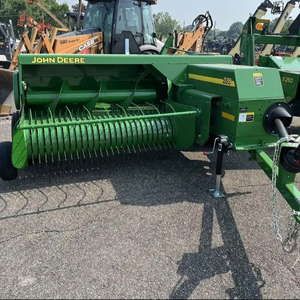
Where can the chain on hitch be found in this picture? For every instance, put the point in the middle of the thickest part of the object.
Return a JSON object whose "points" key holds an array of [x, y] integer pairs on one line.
{"points": [[277, 118], [289, 245]]}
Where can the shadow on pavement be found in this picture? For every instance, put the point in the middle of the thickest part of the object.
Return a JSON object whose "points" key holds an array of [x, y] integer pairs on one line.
{"points": [[209, 262], [148, 182]]}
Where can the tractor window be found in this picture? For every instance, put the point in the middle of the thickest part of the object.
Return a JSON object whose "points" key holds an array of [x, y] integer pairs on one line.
{"points": [[99, 15], [136, 16], [129, 18], [148, 23]]}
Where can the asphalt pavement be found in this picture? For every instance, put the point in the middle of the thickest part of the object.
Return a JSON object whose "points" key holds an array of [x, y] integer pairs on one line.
{"points": [[143, 228]]}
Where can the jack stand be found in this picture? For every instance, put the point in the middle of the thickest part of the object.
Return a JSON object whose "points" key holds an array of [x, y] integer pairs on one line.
{"points": [[222, 148]]}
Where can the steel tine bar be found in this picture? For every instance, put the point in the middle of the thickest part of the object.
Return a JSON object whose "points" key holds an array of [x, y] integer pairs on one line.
{"points": [[107, 112], [154, 107], [138, 107], [122, 108], [88, 112]]}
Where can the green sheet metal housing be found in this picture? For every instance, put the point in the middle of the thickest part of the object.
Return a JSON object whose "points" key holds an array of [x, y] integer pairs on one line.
{"points": [[100, 105], [110, 104]]}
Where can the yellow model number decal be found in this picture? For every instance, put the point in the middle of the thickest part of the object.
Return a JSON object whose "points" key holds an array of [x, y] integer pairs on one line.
{"points": [[58, 60], [226, 81], [287, 79]]}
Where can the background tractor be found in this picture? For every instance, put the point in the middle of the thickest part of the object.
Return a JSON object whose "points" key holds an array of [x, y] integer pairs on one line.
{"points": [[110, 27]]}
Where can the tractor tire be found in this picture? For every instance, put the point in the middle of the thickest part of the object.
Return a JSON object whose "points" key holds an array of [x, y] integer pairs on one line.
{"points": [[150, 52], [7, 170], [14, 120]]}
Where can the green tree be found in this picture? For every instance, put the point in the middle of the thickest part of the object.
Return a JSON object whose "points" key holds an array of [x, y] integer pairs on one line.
{"points": [[188, 28], [285, 29], [235, 30], [165, 24], [12, 9], [75, 7]]}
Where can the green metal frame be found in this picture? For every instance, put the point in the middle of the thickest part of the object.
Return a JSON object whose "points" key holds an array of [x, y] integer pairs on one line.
{"points": [[251, 36], [285, 180]]}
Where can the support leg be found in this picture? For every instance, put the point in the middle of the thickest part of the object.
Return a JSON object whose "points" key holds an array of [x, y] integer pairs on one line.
{"points": [[222, 148]]}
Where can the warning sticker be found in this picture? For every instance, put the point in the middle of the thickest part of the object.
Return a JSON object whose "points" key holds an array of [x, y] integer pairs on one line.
{"points": [[247, 117], [258, 79]]}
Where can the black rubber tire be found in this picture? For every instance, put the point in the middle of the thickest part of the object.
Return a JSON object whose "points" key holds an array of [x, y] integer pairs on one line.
{"points": [[14, 120], [150, 52], [7, 170]]}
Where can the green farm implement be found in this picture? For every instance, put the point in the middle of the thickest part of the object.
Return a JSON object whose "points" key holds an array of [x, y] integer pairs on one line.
{"points": [[256, 32], [81, 107]]}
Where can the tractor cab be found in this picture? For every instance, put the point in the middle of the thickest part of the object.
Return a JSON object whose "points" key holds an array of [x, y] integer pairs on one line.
{"points": [[120, 20]]}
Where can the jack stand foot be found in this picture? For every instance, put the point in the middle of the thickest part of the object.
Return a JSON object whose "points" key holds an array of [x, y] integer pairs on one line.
{"points": [[217, 194], [216, 191]]}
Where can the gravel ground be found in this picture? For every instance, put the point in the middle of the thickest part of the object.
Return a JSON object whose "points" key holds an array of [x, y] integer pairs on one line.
{"points": [[143, 228]]}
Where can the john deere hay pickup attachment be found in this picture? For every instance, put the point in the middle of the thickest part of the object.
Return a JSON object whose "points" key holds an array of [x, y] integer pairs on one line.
{"points": [[80, 107]]}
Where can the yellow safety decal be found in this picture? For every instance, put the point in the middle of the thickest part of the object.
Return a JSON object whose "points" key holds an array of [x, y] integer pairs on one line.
{"points": [[226, 81], [58, 60], [228, 116], [258, 79], [246, 117]]}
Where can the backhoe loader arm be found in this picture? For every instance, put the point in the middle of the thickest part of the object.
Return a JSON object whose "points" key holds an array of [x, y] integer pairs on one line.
{"points": [[279, 24], [259, 13]]}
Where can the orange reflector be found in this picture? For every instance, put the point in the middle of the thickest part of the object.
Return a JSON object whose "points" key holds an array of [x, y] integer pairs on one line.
{"points": [[259, 26]]}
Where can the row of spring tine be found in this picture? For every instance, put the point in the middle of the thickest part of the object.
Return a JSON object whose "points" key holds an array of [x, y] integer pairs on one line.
{"points": [[92, 154], [92, 162]]}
